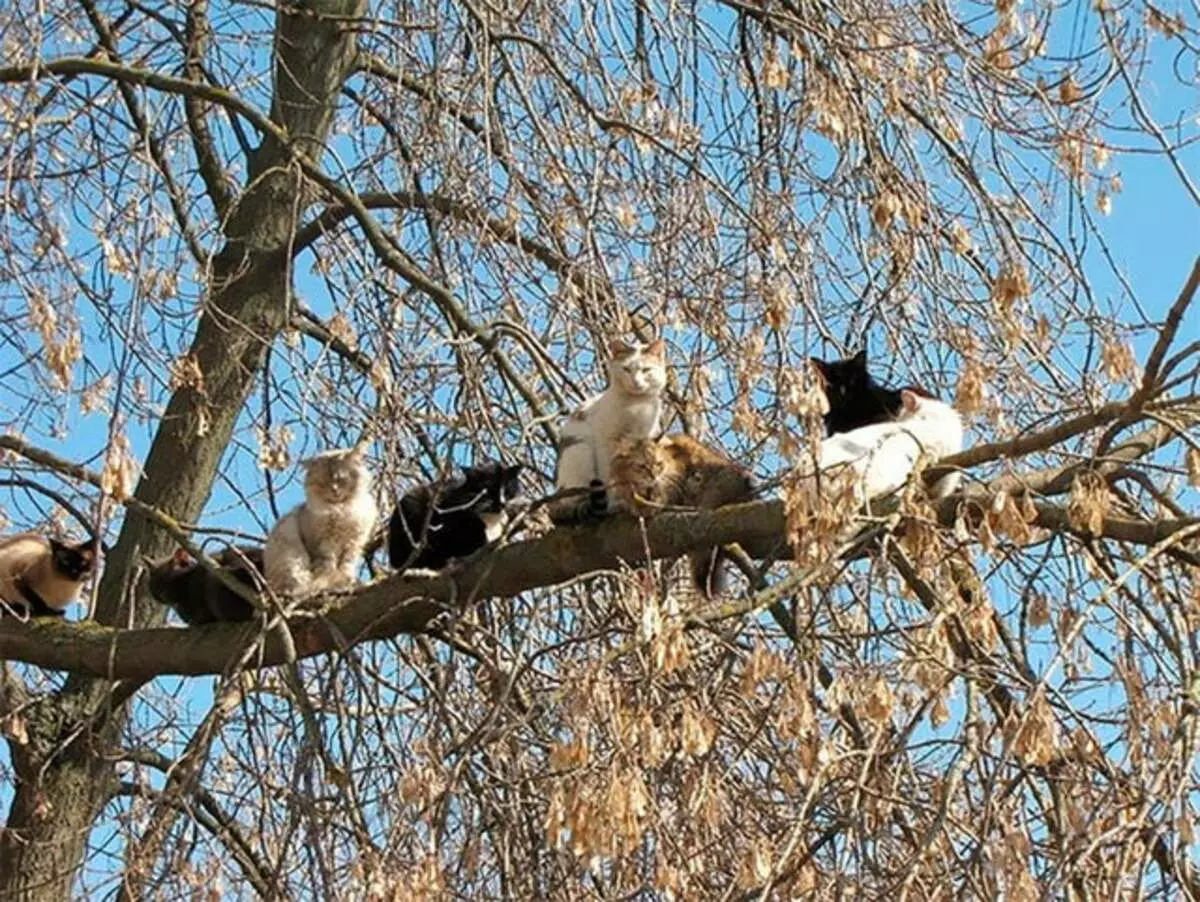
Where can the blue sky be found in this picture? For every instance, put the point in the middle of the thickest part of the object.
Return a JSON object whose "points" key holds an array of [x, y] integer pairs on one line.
{"points": [[1152, 231]]}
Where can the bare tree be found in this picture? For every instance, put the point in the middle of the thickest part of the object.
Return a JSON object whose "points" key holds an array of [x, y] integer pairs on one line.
{"points": [[239, 232]]}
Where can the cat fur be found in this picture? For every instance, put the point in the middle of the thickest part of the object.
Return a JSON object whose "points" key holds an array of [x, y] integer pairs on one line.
{"points": [[883, 455], [43, 575], [318, 545], [679, 471], [435, 524], [630, 408], [855, 398], [197, 595]]}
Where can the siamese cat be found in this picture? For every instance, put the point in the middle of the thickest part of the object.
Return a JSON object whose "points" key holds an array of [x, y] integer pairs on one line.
{"points": [[42, 575]]}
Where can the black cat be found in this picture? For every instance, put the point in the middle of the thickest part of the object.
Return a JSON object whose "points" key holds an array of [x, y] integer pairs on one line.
{"points": [[197, 596], [443, 522], [855, 399]]}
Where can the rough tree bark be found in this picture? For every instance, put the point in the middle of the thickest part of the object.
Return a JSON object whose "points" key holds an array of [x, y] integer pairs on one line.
{"points": [[63, 777]]}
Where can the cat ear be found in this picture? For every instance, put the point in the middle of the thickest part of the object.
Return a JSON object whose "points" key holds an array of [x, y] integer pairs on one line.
{"points": [[656, 348], [860, 358], [618, 349], [821, 368], [909, 400], [181, 558], [513, 470], [56, 546]]}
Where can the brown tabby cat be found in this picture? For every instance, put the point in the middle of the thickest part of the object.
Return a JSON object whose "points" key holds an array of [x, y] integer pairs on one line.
{"points": [[678, 471]]}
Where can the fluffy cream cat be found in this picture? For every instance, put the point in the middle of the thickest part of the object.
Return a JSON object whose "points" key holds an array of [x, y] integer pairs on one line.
{"points": [[318, 545], [629, 409]]}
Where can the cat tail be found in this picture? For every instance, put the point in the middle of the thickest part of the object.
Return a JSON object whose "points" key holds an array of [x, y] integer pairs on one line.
{"points": [[709, 574], [709, 566], [581, 509]]}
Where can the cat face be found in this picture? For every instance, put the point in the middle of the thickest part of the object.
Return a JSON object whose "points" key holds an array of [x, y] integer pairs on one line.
{"points": [[636, 464], [843, 380], [915, 402], [75, 562], [638, 370], [634, 476], [336, 476], [181, 560], [493, 485], [177, 564]]}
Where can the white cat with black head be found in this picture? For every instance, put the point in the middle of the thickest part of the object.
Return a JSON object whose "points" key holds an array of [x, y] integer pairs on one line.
{"points": [[884, 455], [630, 408]]}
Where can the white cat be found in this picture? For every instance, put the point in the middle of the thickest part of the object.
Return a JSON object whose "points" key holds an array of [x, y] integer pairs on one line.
{"points": [[319, 544], [630, 408], [884, 455]]}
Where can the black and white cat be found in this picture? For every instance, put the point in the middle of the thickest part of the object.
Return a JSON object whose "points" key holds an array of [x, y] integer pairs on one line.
{"points": [[43, 575], [855, 398], [434, 524]]}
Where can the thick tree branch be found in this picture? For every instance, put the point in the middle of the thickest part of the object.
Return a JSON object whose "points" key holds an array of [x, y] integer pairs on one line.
{"points": [[1151, 376], [71, 66], [410, 603], [217, 183], [1169, 329], [1050, 437]]}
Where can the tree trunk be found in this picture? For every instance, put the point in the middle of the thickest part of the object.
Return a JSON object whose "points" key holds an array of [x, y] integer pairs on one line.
{"points": [[63, 779]]}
